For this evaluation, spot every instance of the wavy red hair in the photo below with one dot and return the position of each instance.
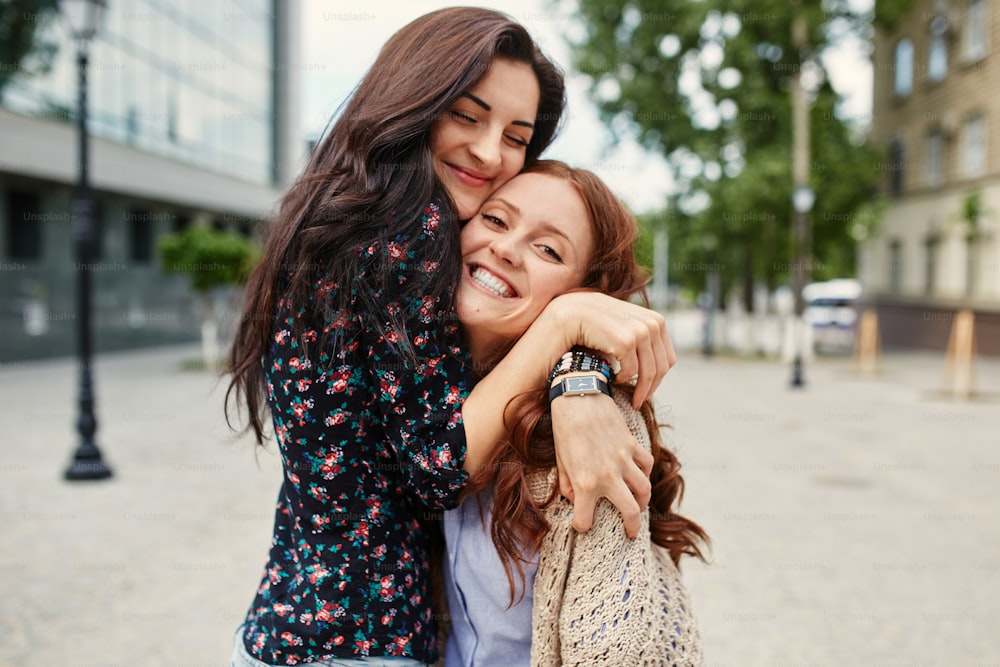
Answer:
(518, 524)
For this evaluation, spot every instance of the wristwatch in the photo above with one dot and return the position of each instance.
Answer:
(580, 385)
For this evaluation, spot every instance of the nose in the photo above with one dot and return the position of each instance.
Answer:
(507, 249)
(486, 148)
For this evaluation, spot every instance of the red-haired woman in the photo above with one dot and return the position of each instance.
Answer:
(597, 598)
(349, 347)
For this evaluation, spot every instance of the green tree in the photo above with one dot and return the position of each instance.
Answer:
(707, 85)
(211, 259)
(22, 49)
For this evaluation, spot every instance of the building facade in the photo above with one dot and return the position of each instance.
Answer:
(194, 120)
(936, 114)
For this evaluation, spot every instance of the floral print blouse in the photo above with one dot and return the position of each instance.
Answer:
(369, 447)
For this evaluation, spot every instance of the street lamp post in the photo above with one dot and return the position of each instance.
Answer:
(802, 196)
(84, 18)
(802, 202)
(711, 298)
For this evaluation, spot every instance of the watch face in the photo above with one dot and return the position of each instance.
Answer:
(582, 385)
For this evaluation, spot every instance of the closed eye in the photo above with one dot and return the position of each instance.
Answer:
(517, 140)
(465, 118)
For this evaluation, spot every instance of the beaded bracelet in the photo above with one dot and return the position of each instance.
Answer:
(579, 359)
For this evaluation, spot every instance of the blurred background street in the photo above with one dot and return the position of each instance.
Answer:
(830, 165)
(855, 521)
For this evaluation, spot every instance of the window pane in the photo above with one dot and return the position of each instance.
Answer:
(24, 225)
(975, 30)
(937, 64)
(904, 67)
(140, 236)
(934, 159)
(975, 145)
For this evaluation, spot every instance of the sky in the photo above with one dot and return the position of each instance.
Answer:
(340, 39)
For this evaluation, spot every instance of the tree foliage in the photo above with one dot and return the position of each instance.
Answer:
(211, 258)
(22, 50)
(707, 84)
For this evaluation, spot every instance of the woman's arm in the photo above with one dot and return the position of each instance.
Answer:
(633, 334)
(597, 457)
(428, 425)
(597, 454)
(602, 598)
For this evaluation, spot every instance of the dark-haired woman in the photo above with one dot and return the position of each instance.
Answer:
(597, 598)
(349, 344)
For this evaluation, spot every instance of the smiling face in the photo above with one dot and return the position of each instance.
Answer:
(531, 241)
(479, 143)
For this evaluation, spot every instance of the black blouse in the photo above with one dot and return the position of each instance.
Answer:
(369, 445)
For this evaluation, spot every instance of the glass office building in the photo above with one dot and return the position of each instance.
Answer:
(193, 116)
(184, 79)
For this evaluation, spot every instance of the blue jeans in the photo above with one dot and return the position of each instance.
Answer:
(241, 658)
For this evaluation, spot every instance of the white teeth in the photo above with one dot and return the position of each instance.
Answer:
(490, 282)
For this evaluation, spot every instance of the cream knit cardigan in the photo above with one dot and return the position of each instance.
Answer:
(601, 598)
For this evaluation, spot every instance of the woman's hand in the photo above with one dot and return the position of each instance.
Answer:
(598, 457)
(596, 454)
(634, 335)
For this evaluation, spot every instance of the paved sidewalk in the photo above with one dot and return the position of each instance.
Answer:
(153, 567)
(855, 522)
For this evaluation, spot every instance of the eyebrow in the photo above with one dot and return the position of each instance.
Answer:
(513, 208)
(487, 107)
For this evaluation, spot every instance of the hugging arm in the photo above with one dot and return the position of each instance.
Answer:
(596, 453)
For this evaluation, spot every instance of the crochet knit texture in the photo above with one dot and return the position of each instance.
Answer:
(601, 598)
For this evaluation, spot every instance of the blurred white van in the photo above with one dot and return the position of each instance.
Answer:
(831, 310)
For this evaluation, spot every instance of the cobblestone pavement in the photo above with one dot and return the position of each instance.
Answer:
(854, 521)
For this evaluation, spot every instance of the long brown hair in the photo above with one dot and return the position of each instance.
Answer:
(373, 168)
(518, 524)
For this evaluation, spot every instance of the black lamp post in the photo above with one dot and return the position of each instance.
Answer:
(84, 17)
(802, 201)
(708, 241)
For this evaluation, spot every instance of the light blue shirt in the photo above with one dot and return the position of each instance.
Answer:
(484, 632)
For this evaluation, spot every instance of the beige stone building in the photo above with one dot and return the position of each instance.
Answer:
(936, 113)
